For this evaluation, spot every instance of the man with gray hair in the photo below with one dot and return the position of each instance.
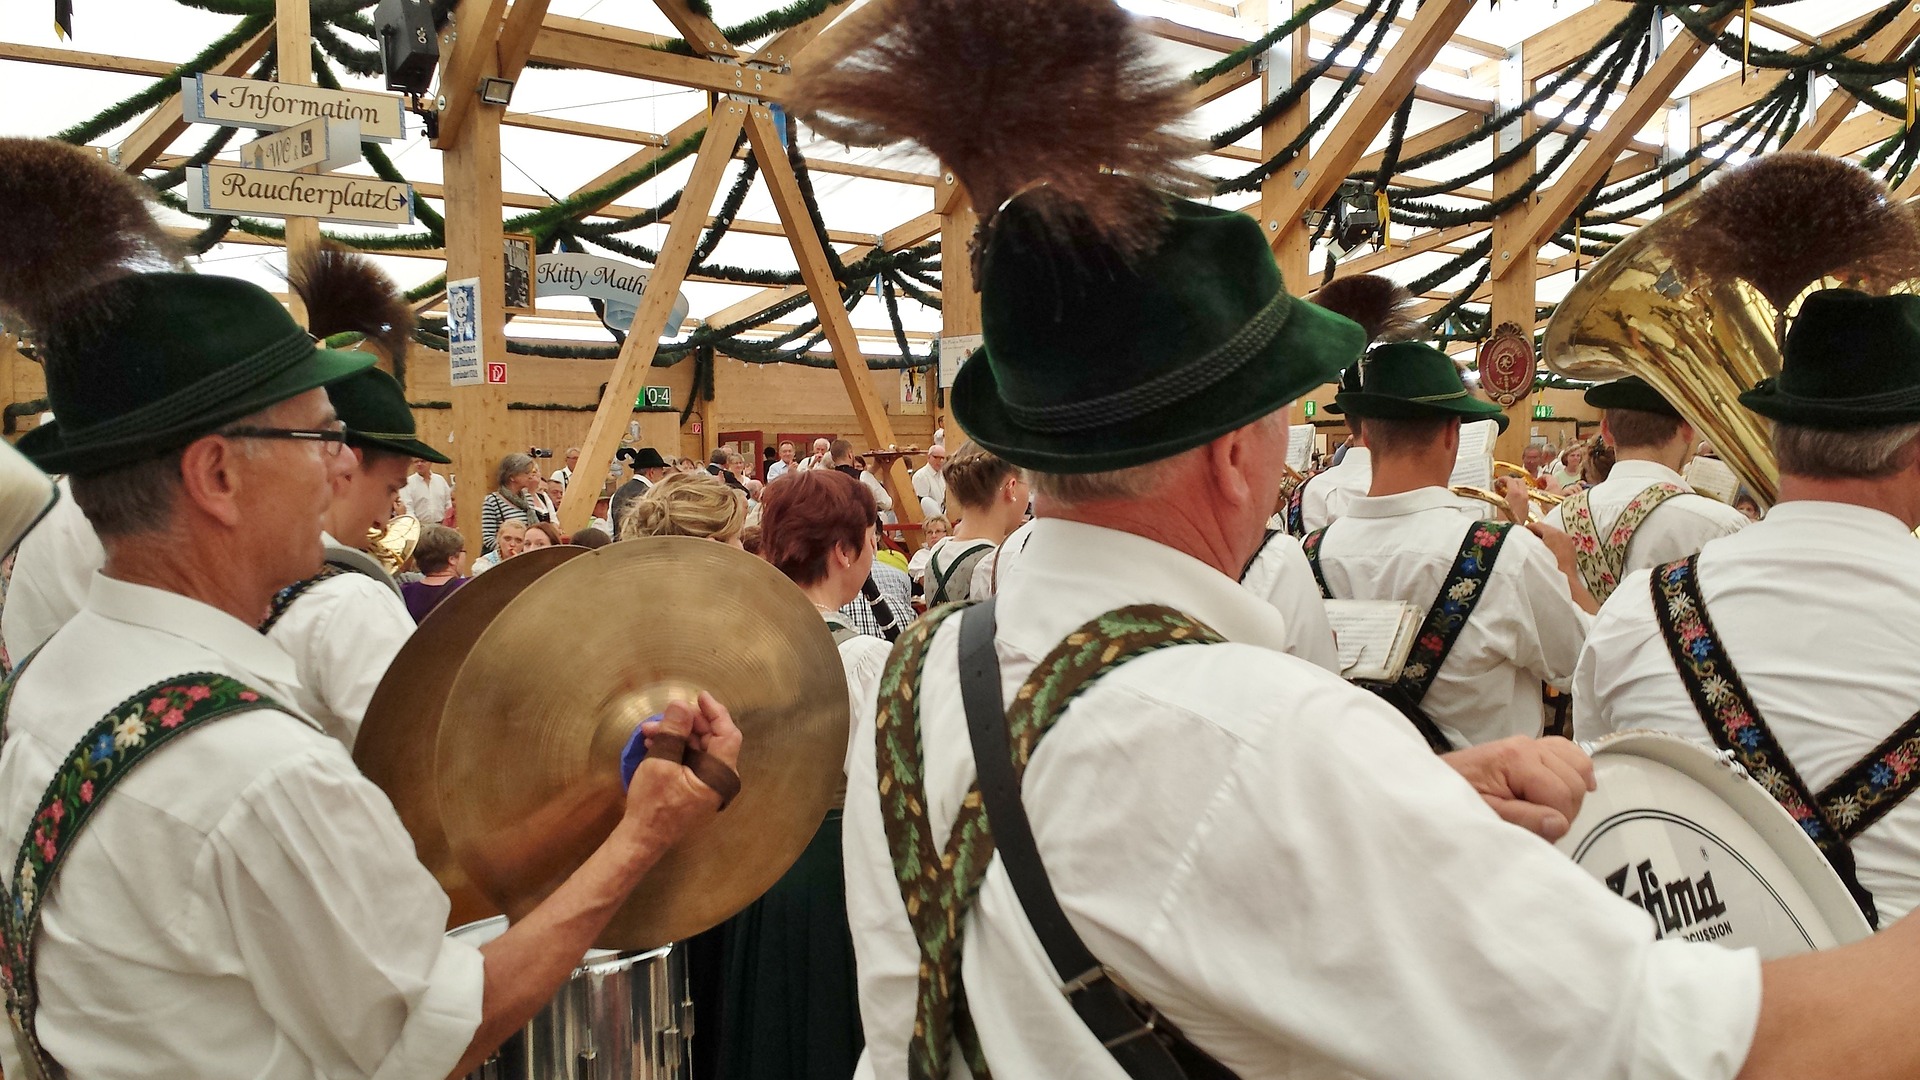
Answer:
(1818, 606)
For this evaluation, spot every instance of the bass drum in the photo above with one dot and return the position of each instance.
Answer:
(622, 1016)
(1686, 834)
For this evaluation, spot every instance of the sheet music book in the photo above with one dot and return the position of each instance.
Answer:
(1373, 636)
(1713, 478)
(1473, 466)
(1300, 440)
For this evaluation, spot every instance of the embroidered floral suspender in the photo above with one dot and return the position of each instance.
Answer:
(1839, 812)
(121, 740)
(938, 884)
(1602, 562)
(1296, 522)
(1460, 593)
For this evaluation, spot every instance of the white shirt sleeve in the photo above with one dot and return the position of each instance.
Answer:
(1282, 577)
(342, 928)
(1549, 628)
(880, 497)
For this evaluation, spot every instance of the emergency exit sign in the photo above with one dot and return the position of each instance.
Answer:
(1543, 412)
(1309, 409)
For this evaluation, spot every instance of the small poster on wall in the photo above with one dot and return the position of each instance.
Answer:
(463, 333)
(520, 272)
(913, 391)
(954, 352)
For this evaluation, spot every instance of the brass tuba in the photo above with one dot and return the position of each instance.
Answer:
(1700, 343)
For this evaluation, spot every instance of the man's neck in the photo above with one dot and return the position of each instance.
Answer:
(1673, 457)
(337, 525)
(1890, 495)
(1149, 522)
(1396, 474)
(160, 563)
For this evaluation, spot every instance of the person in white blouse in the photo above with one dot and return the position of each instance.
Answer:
(51, 574)
(1505, 612)
(1643, 514)
(1279, 573)
(1810, 617)
(427, 494)
(240, 901)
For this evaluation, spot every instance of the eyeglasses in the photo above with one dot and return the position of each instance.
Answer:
(332, 438)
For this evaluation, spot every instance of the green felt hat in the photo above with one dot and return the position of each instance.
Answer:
(1410, 380)
(374, 408)
(1091, 364)
(1632, 392)
(165, 359)
(1851, 362)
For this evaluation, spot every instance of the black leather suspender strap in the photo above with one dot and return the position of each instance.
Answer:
(1128, 1027)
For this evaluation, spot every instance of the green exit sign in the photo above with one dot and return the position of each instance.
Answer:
(655, 397)
(1543, 412)
(1310, 409)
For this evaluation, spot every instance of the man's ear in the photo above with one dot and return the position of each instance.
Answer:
(210, 476)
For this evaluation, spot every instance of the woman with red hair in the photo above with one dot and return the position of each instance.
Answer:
(792, 1007)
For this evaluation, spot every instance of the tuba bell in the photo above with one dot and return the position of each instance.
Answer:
(1699, 343)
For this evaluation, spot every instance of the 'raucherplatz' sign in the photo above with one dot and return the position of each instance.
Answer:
(356, 200)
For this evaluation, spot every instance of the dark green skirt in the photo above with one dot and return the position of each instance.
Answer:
(792, 1004)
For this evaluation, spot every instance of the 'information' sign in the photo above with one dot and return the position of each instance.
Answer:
(270, 106)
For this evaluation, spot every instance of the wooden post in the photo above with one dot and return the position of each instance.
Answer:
(475, 250)
(293, 35)
(1513, 295)
(959, 296)
(1286, 63)
(663, 287)
(809, 249)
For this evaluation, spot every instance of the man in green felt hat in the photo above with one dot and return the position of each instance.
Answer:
(1269, 857)
(207, 886)
(1792, 643)
(344, 625)
(1614, 526)
(1504, 612)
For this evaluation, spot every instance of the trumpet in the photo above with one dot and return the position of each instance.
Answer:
(1539, 503)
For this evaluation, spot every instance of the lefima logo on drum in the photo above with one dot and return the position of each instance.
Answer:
(1675, 905)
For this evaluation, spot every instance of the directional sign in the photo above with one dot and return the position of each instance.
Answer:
(620, 285)
(357, 200)
(270, 106)
(323, 142)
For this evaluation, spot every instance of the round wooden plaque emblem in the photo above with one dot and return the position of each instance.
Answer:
(1507, 364)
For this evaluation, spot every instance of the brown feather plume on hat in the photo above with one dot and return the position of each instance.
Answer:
(344, 290)
(1787, 220)
(1383, 307)
(1012, 95)
(74, 224)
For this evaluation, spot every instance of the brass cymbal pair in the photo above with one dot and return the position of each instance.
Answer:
(498, 731)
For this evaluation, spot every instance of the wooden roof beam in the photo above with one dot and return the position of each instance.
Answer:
(91, 61)
(593, 46)
(522, 25)
(466, 50)
(699, 30)
(166, 123)
(1315, 180)
(1891, 41)
(1599, 155)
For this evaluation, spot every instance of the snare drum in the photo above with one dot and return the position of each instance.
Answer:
(621, 1016)
(1686, 834)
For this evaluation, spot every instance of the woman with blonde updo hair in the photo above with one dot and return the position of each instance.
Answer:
(687, 504)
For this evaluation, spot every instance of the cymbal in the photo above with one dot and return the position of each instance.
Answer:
(528, 757)
(395, 745)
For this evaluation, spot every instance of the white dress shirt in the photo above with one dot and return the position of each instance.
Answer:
(50, 576)
(999, 561)
(929, 485)
(1676, 529)
(1277, 862)
(1279, 574)
(1818, 606)
(342, 634)
(882, 500)
(427, 499)
(245, 904)
(779, 469)
(1526, 630)
(1328, 494)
